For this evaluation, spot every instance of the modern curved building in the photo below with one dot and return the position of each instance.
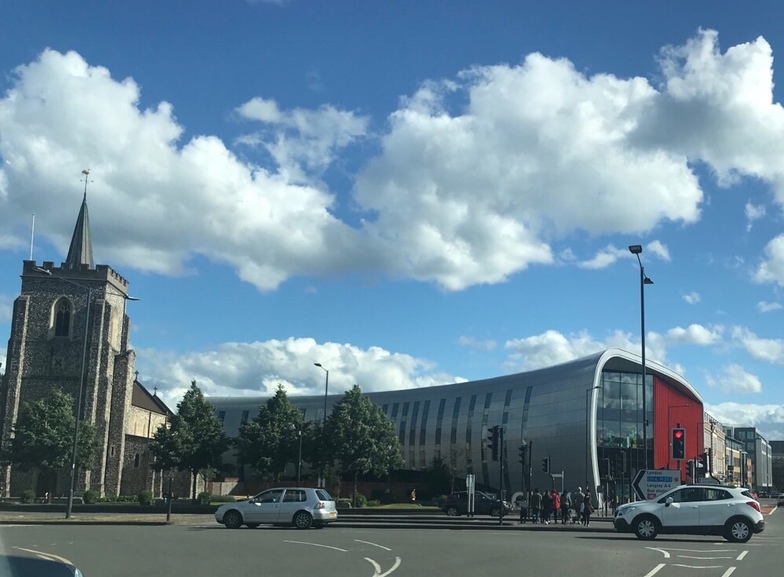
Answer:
(585, 416)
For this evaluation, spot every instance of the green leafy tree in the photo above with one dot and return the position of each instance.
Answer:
(439, 476)
(43, 437)
(362, 438)
(194, 442)
(270, 441)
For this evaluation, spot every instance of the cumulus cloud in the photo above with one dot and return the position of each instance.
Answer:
(769, 350)
(734, 379)
(237, 369)
(694, 334)
(468, 187)
(473, 343)
(766, 307)
(301, 142)
(772, 268)
(753, 212)
(605, 258)
(769, 419)
(692, 298)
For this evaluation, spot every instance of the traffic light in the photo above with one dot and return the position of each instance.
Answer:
(702, 462)
(521, 452)
(690, 466)
(492, 441)
(546, 465)
(678, 443)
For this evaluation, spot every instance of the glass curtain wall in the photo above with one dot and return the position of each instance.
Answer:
(619, 432)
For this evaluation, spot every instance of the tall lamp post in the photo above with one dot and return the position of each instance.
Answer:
(636, 249)
(75, 444)
(324, 422)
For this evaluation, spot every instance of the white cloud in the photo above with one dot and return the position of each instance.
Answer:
(473, 343)
(694, 334)
(753, 212)
(734, 379)
(767, 418)
(301, 141)
(692, 298)
(256, 368)
(769, 350)
(772, 269)
(766, 307)
(605, 258)
(469, 186)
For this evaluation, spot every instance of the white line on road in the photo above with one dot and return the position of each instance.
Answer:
(698, 566)
(655, 569)
(703, 551)
(395, 566)
(702, 558)
(662, 551)
(741, 556)
(376, 566)
(374, 544)
(728, 572)
(316, 545)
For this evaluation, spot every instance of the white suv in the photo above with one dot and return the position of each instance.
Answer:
(694, 509)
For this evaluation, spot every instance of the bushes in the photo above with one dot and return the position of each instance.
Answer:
(360, 500)
(204, 498)
(27, 496)
(144, 498)
(89, 497)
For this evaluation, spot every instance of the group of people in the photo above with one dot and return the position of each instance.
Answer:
(550, 507)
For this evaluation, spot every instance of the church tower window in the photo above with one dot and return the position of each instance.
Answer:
(62, 318)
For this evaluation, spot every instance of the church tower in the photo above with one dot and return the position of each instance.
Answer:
(69, 330)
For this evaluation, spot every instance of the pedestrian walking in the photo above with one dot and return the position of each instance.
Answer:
(535, 506)
(547, 505)
(588, 509)
(578, 501)
(566, 504)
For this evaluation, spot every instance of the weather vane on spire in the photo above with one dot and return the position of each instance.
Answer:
(86, 173)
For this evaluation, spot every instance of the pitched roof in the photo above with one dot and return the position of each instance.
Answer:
(81, 250)
(142, 398)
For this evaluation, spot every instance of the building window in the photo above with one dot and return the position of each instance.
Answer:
(62, 318)
(244, 418)
(136, 460)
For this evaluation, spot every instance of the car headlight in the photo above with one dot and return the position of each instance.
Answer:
(626, 510)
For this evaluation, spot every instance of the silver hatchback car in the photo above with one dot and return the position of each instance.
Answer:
(303, 507)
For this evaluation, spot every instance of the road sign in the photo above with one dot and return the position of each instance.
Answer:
(649, 484)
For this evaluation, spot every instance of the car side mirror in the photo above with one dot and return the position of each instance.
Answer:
(668, 502)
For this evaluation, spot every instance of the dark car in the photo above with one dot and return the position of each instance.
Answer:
(780, 500)
(457, 504)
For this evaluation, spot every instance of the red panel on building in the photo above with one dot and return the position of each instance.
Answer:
(673, 408)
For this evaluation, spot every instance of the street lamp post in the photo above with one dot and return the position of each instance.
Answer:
(324, 422)
(588, 394)
(636, 249)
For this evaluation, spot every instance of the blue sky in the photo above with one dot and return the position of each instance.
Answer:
(410, 193)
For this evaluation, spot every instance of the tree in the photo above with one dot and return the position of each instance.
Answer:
(194, 442)
(439, 476)
(269, 442)
(43, 437)
(363, 439)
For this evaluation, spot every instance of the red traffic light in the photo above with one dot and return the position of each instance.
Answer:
(678, 433)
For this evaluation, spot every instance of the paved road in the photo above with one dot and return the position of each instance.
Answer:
(206, 549)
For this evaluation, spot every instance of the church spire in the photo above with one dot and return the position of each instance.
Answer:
(81, 250)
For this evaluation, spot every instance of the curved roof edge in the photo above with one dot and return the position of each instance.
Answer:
(651, 367)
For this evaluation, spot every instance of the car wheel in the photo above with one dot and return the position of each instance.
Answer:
(302, 520)
(646, 527)
(495, 512)
(452, 512)
(232, 519)
(738, 531)
(252, 525)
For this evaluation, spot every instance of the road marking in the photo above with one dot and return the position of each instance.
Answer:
(741, 556)
(703, 551)
(702, 558)
(374, 544)
(377, 567)
(656, 569)
(662, 551)
(728, 572)
(46, 556)
(698, 566)
(316, 545)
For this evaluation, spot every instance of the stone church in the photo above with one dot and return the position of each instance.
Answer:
(69, 330)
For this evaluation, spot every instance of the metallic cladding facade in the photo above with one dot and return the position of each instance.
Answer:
(585, 415)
